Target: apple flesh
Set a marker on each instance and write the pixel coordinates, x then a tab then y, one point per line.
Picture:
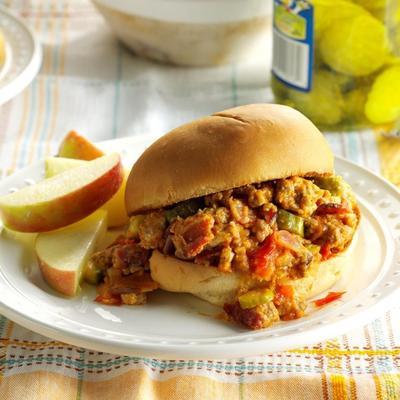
64	253
76	146
55	165
64	199
115	207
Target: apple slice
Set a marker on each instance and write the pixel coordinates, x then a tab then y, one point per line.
63	254
55	165
115	207
63	199
76	146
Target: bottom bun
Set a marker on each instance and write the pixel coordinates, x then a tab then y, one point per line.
208	283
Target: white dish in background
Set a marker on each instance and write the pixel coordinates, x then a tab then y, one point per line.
191	32
23	56
181	326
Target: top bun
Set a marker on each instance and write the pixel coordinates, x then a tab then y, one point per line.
231	148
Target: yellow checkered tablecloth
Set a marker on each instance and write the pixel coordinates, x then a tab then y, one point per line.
90	83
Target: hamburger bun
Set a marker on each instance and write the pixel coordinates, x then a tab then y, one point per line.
239	146
229	149
208	283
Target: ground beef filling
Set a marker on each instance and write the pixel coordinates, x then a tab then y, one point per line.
272	231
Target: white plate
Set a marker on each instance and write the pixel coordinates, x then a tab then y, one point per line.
23	56
181	326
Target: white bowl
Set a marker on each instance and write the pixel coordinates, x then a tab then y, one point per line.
190	32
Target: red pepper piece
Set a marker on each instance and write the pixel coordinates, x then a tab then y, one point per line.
261	260
331	296
325	251
286	291
332	208
270	217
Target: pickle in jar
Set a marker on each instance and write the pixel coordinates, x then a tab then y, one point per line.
355	46
372	5
383	103
356	52
324	104
354	105
327	12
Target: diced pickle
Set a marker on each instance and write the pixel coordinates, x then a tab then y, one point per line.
313	248
92	274
134	222
290	222
334	184
255	298
184	209
355	46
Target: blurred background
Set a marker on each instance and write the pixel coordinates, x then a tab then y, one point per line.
91	82
336	61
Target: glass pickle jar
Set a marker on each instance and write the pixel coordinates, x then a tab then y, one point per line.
338	61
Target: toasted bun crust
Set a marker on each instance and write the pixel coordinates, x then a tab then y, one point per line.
218	288
231	148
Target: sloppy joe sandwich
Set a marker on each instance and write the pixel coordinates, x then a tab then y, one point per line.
242	209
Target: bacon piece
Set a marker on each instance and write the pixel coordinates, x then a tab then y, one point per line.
192	234
151	230
288	305
129	255
257	317
298	195
123	254
209	256
105	296
133	284
241	213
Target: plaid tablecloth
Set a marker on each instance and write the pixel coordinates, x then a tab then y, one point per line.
90	83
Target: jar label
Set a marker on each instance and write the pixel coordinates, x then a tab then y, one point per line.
292	59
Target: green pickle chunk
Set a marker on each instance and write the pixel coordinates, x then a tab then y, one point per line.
184	209
313	248
290	222
134	222
92	274
334	184
255	298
